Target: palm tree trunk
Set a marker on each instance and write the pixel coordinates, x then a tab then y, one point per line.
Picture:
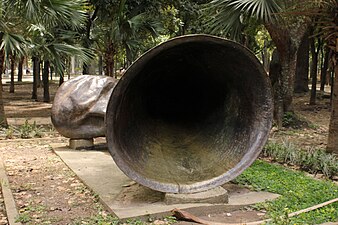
332	144
12	88
45	79
36	74
109	60
20	69
323	72
129	56
288	55
265	56
39	81
275	70
302	68
61	80
3	118
287	46
313	72
100	65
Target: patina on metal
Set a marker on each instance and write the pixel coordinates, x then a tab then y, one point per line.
80	104
190	114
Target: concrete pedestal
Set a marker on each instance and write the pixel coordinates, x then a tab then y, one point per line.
216	195
81	143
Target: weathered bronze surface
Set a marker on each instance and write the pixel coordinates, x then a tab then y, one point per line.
80	104
190	114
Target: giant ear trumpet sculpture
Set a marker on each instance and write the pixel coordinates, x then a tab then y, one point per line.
190	114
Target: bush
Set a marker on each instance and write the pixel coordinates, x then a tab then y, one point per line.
314	161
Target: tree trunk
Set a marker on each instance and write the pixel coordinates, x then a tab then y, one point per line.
61	79
275	71
12	62
20	69
265	57
3	118
287	49
45	76
332	144
323	73
87	42
51	73
302	67
39	81
109	59
129	56
100	65
313	72
36	74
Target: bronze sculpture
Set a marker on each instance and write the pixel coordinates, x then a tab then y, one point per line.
190	114
80	104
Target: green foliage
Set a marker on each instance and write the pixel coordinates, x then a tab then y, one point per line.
98	219
228	17
23	218
44	29
10	132
290	119
28	130
170	219
314	161
297	191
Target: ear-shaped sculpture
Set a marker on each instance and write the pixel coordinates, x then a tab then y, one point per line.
80	104
190	114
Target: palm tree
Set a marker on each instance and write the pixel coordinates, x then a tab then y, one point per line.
17	16
124	27
52	46
228	17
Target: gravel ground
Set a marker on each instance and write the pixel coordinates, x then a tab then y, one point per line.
45	190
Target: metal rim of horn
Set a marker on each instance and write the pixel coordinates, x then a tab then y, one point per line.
190	114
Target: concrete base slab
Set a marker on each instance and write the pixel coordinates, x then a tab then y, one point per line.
81	143
216	195
127	199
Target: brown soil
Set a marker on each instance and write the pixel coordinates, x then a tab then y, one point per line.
317	118
21	105
46	191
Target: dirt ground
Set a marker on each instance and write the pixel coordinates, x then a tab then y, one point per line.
46	191
316	117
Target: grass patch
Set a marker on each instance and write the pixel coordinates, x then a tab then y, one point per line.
23	218
24	131
313	161
297	191
105	219
98	219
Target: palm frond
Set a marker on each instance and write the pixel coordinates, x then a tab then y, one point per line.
12	44
260	9
225	16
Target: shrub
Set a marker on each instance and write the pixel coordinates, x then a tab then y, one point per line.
314	160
